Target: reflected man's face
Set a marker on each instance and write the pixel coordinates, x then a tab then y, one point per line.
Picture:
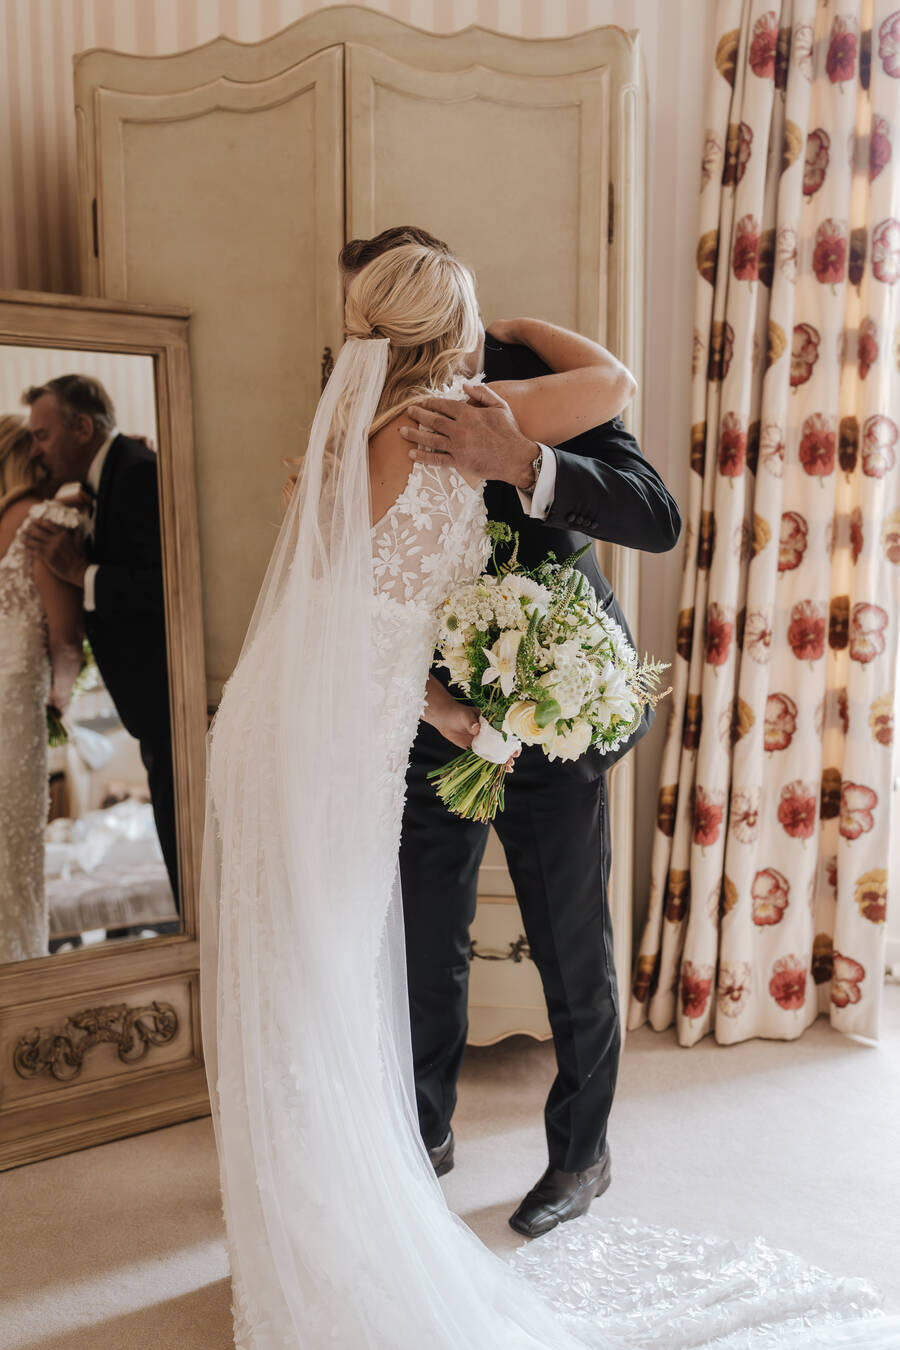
59	448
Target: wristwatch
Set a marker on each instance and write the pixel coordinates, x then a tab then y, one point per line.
536	464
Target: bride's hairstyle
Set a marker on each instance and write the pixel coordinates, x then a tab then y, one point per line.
423	301
18	476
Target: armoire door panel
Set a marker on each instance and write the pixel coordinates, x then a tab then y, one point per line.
229	196
512	170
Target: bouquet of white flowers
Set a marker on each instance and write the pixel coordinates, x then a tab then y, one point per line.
542	663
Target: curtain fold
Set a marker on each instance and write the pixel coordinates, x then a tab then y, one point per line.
770	864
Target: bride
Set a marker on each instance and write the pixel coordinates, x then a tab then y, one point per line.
338	1232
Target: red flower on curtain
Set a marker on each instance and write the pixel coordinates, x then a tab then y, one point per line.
709	810
857	804
845	981
719	633
889	45
771	896
802	49
804	353
745	255
886	251
857	539
771	448
734	987
871	894
781	722
840	63
890	537
786	252
745	815
758	636
696	985
732	446
763	46
830	253
818	440
815	167
879	437
867	625
788	983
881	719
792	541
879	146
806	631
797	809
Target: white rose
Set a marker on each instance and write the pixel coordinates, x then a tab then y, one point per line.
502	657
520	722
570	744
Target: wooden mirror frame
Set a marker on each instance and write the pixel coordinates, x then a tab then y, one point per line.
104	1042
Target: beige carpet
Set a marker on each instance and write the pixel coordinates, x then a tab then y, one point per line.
120	1247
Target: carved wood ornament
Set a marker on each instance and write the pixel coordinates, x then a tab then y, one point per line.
62	1053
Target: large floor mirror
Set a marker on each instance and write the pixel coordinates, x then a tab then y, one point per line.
102	717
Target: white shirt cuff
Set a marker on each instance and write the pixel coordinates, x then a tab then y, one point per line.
537	504
89	583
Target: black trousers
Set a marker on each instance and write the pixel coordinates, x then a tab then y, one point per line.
555	833
156	753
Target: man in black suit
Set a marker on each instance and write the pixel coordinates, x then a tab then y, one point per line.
555	826
119	570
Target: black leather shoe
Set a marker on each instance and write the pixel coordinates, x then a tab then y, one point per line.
442	1155
559	1196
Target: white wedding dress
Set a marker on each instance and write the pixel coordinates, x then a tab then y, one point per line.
25	677
338	1232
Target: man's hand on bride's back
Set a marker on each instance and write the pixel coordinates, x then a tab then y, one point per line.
481	437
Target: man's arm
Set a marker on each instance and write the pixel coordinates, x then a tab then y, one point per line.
606	488
601	483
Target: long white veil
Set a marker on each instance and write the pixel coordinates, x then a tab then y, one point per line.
290	858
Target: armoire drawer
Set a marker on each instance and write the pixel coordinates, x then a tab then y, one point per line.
505	993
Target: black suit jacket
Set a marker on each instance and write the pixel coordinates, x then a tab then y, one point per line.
126	629
605	489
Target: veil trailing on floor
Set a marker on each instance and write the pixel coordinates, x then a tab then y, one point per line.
338	1232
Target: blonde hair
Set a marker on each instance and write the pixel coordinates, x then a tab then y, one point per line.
423	301
18	477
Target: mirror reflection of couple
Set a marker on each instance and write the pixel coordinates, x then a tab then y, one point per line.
330	1126
86	562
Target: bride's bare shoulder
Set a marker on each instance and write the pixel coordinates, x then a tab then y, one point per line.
389	465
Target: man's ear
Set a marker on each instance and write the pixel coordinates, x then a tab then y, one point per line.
83	427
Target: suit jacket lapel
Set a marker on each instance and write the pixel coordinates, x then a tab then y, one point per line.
107	478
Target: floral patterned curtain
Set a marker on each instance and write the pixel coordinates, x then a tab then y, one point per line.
770	864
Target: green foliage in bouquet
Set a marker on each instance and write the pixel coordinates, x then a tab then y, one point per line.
542	663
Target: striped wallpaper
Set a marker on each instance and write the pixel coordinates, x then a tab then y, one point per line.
38	230
128	379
